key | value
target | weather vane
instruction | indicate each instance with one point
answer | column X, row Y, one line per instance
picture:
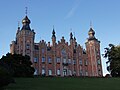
column 18, row 23
column 26, row 10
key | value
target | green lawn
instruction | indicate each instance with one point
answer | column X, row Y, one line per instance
column 53, row 83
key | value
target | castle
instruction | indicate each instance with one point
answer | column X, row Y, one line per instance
column 59, row 58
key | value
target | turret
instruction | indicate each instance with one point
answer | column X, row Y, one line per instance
column 71, row 39
column 93, row 53
column 53, row 37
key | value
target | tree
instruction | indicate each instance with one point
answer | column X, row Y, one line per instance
column 19, row 66
column 5, row 77
column 112, row 53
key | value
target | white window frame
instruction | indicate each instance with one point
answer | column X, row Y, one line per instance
column 58, row 72
column 43, row 71
column 50, row 72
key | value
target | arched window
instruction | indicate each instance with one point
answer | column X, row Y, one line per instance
column 63, row 52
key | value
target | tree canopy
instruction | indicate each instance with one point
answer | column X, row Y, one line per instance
column 17, row 65
column 112, row 53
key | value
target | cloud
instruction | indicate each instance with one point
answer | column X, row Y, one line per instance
column 73, row 9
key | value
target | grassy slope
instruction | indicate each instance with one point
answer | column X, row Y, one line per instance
column 65, row 84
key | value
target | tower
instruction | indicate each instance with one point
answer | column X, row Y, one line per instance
column 54, row 51
column 93, row 54
column 24, row 43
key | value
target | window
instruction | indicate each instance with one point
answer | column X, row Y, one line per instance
column 86, row 73
column 28, row 46
column 58, row 60
column 35, row 60
column 86, row 62
column 28, row 54
column 58, row 72
column 63, row 52
column 81, row 73
column 97, row 52
column 80, row 62
column 99, row 72
column 64, row 61
column 79, row 54
column 43, row 71
column 49, row 60
column 36, row 47
column 74, row 72
column 43, row 59
column 74, row 61
column 69, row 61
column 70, row 72
column 43, row 50
column 49, row 72
column 98, row 62
column 21, row 47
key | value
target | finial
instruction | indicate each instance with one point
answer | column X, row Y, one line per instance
column 26, row 10
column 74, row 36
column 70, row 29
column 90, row 24
column 18, row 25
column 53, row 26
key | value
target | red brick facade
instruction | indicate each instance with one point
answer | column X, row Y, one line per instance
column 59, row 58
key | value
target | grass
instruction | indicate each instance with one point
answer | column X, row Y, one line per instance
column 54, row 83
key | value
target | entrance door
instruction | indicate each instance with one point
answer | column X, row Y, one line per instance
column 64, row 72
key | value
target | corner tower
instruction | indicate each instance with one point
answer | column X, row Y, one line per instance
column 93, row 53
column 24, row 43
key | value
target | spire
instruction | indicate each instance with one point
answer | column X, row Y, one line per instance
column 53, row 37
column 91, row 32
column 53, row 32
column 26, row 22
column 18, row 27
column 71, row 35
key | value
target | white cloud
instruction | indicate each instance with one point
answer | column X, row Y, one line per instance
column 73, row 9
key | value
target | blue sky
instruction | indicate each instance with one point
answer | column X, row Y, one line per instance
column 64, row 15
